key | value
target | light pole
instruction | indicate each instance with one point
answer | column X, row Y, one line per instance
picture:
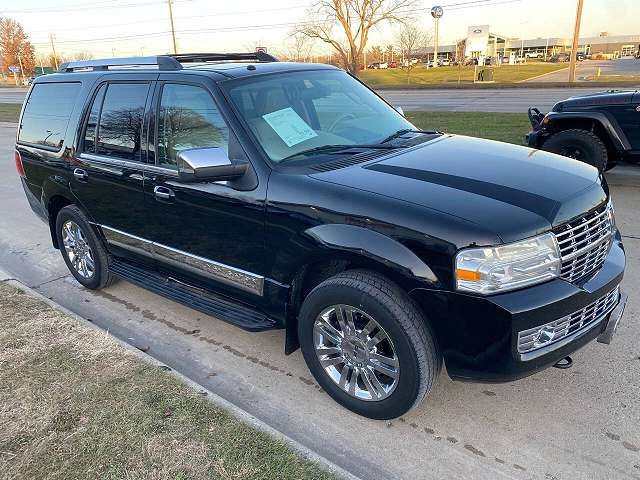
column 436, row 13
column 173, row 30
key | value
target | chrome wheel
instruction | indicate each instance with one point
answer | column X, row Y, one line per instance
column 78, row 250
column 356, row 352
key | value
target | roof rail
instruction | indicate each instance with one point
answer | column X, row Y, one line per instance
column 163, row 62
column 217, row 57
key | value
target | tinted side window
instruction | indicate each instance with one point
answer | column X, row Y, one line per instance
column 188, row 119
column 92, row 122
column 120, row 126
column 47, row 113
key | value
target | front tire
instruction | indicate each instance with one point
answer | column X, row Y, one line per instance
column 82, row 250
column 367, row 344
column 580, row 145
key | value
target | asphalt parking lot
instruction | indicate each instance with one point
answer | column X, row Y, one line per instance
column 581, row 423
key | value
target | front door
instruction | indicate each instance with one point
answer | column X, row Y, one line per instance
column 108, row 172
column 208, row 233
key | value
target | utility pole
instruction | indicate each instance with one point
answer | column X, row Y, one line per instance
column 21, row 69
column 173, row 31
column 576, row 38
column 53, row 47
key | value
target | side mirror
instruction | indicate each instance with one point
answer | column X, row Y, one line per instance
column 399, row 110
column 208, row 164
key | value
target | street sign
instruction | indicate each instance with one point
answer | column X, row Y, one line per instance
column 261, row 49
column 437, row 11
column 14, row 69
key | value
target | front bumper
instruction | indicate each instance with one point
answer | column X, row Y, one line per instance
column 534, row 138
column 478, row 336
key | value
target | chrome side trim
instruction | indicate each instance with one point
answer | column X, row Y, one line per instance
column 115, row 162
column 127, row 241
column 220, row 272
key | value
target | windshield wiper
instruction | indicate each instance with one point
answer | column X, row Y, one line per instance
column 399, row 133
column 337, row 149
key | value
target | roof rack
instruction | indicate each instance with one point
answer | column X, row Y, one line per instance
column 163, row 62
column 218, row 57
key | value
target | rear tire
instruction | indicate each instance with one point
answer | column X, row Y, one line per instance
column 581, row 145
column 82, row 250
column 401, row 339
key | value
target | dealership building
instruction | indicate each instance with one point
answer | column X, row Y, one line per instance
column 482, row 42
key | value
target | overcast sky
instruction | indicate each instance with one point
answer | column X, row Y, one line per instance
column 225, row 25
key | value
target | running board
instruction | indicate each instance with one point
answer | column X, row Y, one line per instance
column 193, row 297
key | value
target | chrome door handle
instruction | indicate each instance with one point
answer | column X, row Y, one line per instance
column 163, row 193
column 80, row 174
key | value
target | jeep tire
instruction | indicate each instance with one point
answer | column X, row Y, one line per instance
column 581, row 145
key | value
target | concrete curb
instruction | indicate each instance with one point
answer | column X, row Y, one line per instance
column 215, row 399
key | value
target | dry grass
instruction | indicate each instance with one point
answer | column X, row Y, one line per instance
column 75, row 405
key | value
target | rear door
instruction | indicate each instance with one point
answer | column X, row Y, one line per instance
column 108, row 171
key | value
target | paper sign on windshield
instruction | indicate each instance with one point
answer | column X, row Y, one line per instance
column 289, row 126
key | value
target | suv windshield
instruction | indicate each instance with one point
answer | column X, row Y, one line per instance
column 296, row 114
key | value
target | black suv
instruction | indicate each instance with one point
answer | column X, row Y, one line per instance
column 599, row 129
column 284, row 195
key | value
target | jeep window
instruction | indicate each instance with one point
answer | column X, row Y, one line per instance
column 188, row 118
column 290, row 113
column 120, row 126
column 91, row 129
column 46, row 114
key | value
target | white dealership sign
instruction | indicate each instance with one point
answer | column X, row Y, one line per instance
column 477, row 41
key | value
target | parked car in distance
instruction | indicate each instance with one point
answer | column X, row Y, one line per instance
column 534, row 55
column 444, row 62
column 560, row 58
column 393, row 64
column 290, row 196
column 600, row 129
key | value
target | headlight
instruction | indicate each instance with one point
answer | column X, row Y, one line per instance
column 507, row 267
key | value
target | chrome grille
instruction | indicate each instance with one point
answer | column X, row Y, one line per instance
column 555, row 331
column 584, row 243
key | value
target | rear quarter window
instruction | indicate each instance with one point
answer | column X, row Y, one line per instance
column 46, row 114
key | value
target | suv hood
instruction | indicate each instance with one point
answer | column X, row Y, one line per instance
column 512, row 191
column 613, row 97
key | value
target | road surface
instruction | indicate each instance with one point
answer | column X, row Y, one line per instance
column 589, row 68
column 482, row 100
column 577, row 424
column 464, row 100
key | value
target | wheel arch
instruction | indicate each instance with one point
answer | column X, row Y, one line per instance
column 54, row 204
column 342, row 247
column 599, row 123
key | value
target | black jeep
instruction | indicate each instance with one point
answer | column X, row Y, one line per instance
column 599, row 129
column 285, row 195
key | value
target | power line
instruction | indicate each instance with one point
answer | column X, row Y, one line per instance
column 452, row 6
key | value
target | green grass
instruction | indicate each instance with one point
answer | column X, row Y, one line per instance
column 505, row 127
column 76, row 405
column 420, row 75
column 9, row 112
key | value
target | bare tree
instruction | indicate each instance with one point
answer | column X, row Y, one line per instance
column 375, row 54
column 82, row 55
column 410, row 39
column 300, row 47
column 353, row 19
